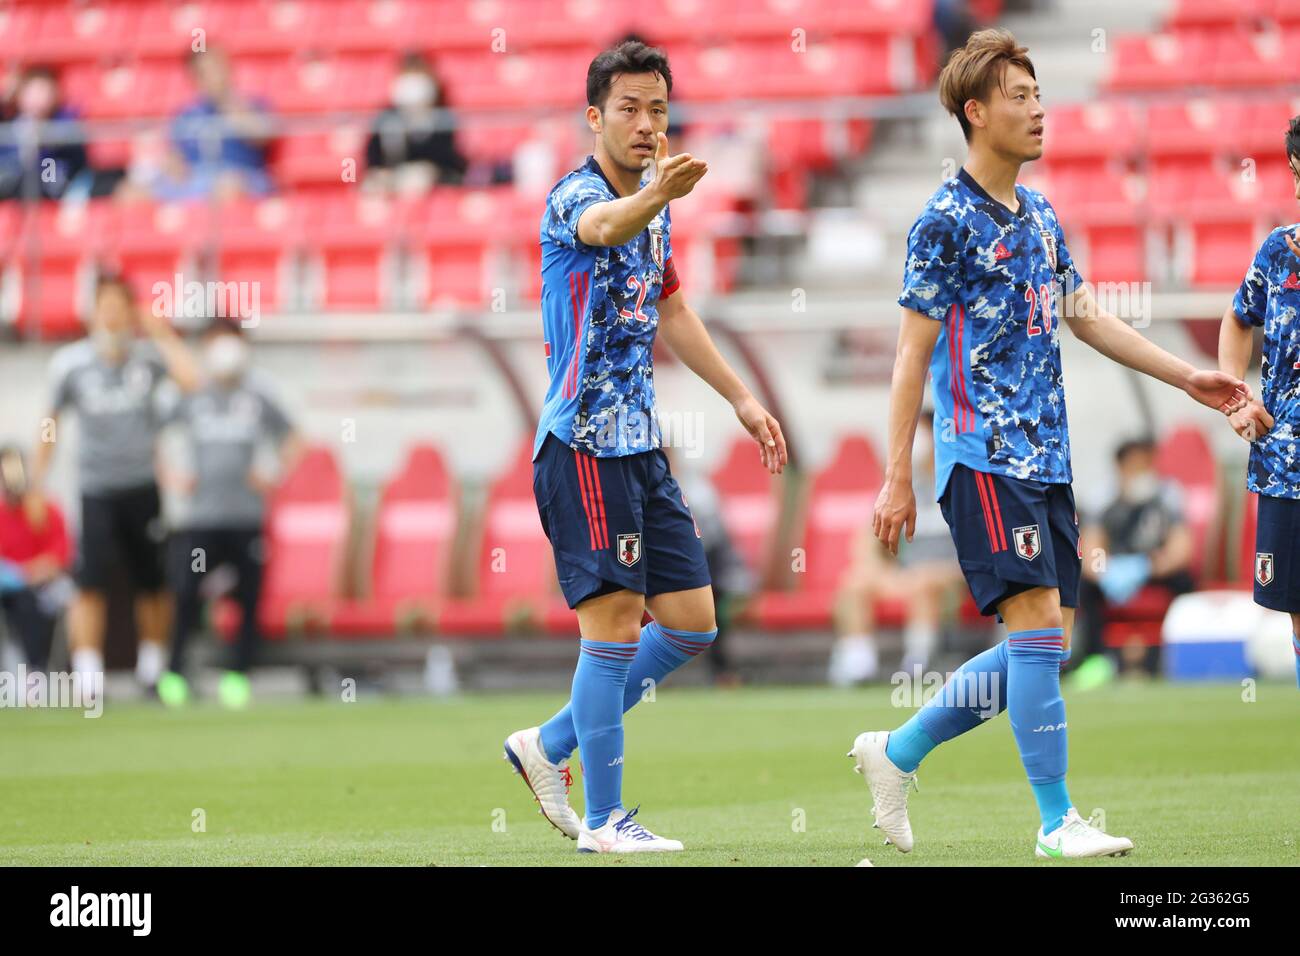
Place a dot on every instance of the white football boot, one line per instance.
(889, 787)
(548, 781)
(1077, 837)
(621, 834)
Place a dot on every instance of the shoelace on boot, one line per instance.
(632, 831)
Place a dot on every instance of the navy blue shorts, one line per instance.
(1277, 554)
(1013, 534)
(616, 523)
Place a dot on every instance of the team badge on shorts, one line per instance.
(629, 549)
(1263, 569)
(1027, 545)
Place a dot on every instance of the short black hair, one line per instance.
(1293, 139)
(630, 56)
(1142, 443)
(114, 280)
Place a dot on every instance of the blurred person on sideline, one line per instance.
(1145, 541)
(409, 150)
(226, 417)
(925, 578)
(34, 163)
(732, 581)
(34, 556)
(218, 142)
(109, 379)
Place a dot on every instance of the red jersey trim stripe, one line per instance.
(579, 293)
(589, 476)
(988, 512)
(963, 412)
(586, 500)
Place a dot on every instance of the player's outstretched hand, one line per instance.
(895, 514)
(765, 430)
(1251, 422)
(675, 176)
(1218, 390)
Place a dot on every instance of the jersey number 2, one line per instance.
(1045, 297)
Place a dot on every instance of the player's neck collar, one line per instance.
(595, 167)
(977, 189)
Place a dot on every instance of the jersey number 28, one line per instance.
(1044, 295)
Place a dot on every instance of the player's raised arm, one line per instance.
(1117, 340)
(684, 332)
(618, 221)
(895, 512)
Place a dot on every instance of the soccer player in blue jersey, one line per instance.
(1269, 297)
(985, 263)
(623, 536)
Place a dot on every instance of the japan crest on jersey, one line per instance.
(657, 244)
(1049, 241)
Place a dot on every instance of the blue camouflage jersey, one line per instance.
(599, 319)
(1270, 297)
(990, 275)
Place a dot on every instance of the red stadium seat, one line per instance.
(127, 88)
(1199, 127)
(1246, 544)
(838, 508)
(1102, 130)
(307, 528)
(515, 586)
(1159, 61)
(320, 160)
(349, 241)
(256, 242)
(1185, 456)
(1222, 252)
(415, 528)
(750, 505)
(1203, 14)
(345, 81)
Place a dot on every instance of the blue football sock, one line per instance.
(597, 702)
(662, 651)
(1295, 646)
(975, 692)
(1037, 714)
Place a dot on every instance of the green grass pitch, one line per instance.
(1195, 775)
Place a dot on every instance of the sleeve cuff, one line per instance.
(670, 281)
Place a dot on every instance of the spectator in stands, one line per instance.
(226, 417)
(411, 147)
(109, 380)
(925, 578)
(35, 161)
(1140, 540)
(34, 553)
(218, 141)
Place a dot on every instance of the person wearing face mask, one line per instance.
(108, 381)
(408, 150)
(926, 578)
(34, 554)
(226, 421)
(1145, 541)
(34, 164)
